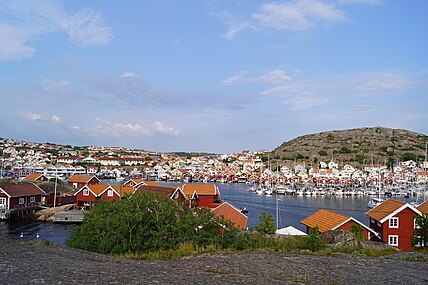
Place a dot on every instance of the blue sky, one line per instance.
(216, 76)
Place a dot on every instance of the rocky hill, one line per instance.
(357, 146)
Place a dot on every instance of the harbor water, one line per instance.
(292, 209)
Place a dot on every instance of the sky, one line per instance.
(209, 75)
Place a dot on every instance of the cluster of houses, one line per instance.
(392, 222)
(22, 158)
(20, 199)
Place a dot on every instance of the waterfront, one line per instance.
(292, 209)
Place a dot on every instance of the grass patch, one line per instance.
(418, 258)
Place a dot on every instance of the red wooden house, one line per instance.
(36, 177)
(201, 195)
(78, 180)
(230, 213)
(394, 221)
(88, 195)
(17, 198)
(325, 220)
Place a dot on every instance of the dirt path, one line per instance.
(36, 264)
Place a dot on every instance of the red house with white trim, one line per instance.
(88, 195)
(18, 198)
(201, 195)
(78, 180)
(394, 221)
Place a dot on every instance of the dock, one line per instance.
(73, 216)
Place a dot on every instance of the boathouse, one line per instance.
(201, 195)
(78, 180)
(325, 220)
(394, 221)
(19, 199)
(89, 194)
(136, 182)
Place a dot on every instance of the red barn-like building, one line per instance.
(326, 220)
(78, 181)
(88, 195)
(18, 198)
(231, 214)
(394, 221)
(201, 195)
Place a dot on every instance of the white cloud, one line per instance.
(273, 77)
(14, 44)
(128, 74)
(297, 15)
(87, 27)
(23, 22)
(55, 119)
(369, 2)
(383, 83)
(33, 116)
(105, 128)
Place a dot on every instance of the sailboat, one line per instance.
(376, 201)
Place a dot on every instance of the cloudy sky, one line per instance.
(209, 75)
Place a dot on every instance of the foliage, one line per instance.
(358, 231)
(314, 243)
(322, 152)
(266, 225)
(408, 156)
(145, 222)
(420, 236)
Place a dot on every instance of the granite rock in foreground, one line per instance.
(35, 264)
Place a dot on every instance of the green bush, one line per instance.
(314, 243)
(266, 225)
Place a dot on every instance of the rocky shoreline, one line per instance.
(40, 264)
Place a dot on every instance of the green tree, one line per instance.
(144, 222)
(420, 236)
(266, 225)
(314, 243)
(358, 231)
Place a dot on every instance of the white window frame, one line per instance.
(32, 199)
(393, 223)
(2, 201)
(21, 200)
(415, 226)
(85, 192)
(393, 240)
(109, 193)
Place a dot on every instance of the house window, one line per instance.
(21, 201)
(393, 240)
(85, 192)
(393, 223)
(110, 193)
(2, 201)
(415, 225)
(32, 199)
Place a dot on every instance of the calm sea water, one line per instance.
(292, 209)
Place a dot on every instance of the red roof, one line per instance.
(21, 190)
(325, 220)
(77, 178)
(230, 213)
(423, 208)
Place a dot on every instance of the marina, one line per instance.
(291, 208)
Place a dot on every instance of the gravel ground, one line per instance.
(37, 264)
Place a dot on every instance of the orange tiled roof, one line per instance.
(386, 208)
(97, 188)
(151, 183)
(423, 208)
(325, 220)
(77, 178)
(230, 213)
(200, 189)
(124, 190)
(33, 177)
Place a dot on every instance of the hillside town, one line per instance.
(19, 159)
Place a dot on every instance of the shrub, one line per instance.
(314, 243)
(266, 225)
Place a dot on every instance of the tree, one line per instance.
(420, 236)
(144, 222)
(314, 243)
(266, 225)
(358, 231)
